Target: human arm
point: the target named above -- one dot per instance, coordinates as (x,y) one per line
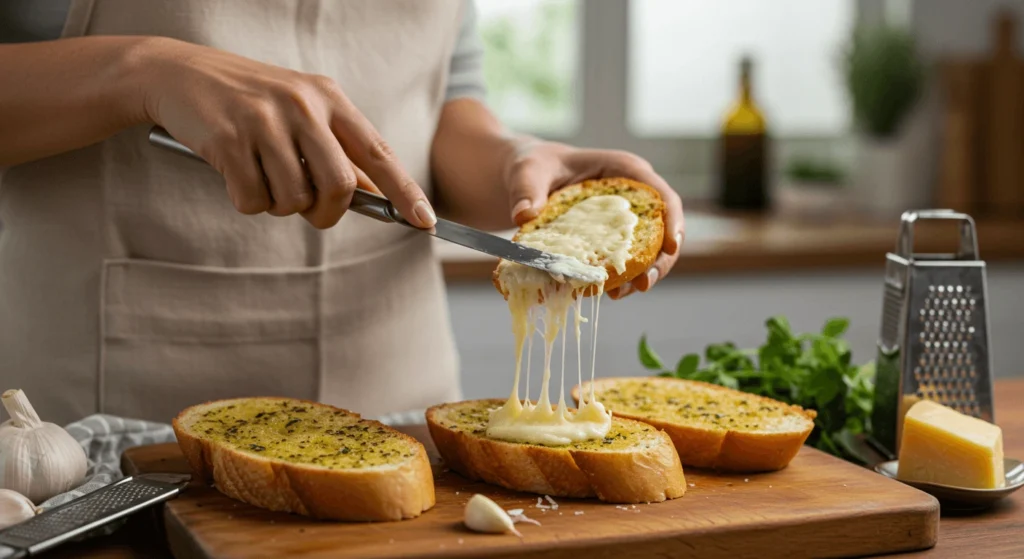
(254,123)
(490,178)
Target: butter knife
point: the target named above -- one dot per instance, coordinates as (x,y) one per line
(379,208)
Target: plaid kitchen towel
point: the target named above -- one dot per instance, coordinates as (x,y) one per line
(412,417)
(104,438)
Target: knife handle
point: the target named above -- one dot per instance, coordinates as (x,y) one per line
(363,202)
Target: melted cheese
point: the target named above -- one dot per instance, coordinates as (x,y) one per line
(594,232)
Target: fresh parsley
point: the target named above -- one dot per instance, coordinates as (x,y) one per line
(814,371)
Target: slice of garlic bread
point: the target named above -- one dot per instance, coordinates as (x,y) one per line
(648,234)
(308,458)
(712,426)
(633,463)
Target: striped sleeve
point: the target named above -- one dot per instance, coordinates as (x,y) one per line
(466,76)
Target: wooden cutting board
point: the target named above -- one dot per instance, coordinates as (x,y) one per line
(819,506)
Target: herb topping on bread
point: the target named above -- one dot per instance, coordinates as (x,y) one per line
(712,426)
(313,459)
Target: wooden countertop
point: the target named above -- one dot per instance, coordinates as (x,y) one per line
(995,533)
(728,243)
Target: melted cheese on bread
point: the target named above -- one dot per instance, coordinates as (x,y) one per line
(596,232)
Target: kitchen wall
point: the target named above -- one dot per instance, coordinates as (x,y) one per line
(961,27)
(685,314)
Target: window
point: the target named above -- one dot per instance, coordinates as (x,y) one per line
(655,77)
(531,63)
(684,59)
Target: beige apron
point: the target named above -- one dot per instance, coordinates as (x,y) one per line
(129,285)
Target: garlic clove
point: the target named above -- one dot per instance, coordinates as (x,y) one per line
(15,508)
(37,459)
(484,515)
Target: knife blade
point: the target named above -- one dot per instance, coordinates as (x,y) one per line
(379,208)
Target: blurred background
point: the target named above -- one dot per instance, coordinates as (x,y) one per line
(796,131)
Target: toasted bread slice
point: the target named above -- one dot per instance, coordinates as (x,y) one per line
(634,463)
(711,426)
(303,457)
(648,235)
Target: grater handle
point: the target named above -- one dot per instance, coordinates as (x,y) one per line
(968,232)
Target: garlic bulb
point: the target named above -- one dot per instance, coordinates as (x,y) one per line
(484,515)
(14,508)
(37,459)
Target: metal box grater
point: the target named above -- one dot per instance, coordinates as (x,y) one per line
(934,335)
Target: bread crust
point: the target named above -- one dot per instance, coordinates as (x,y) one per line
(645,249)
(370,494)
(722,449)
(637,476)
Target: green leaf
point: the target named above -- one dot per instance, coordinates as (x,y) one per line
(728,381)
(648,358)
(688,365)
(825,353)
(835,327)
(779,326)
(717,352)
(829,385)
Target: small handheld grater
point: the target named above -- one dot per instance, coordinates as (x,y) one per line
(934,335)
(85,514)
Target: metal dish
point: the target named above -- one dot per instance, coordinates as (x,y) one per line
(963,498)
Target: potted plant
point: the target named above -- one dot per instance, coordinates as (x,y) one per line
(813,188)
(886,81)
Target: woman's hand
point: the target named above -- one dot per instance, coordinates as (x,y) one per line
(256,124)
(538,168)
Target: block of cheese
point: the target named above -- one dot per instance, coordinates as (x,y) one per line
(943,446)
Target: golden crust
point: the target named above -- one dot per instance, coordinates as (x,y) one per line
(646,475)
(365,494)
(647,237)
(721,449)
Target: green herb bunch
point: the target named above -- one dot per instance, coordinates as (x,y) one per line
(814,371)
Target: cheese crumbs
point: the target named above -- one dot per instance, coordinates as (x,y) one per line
(596,232)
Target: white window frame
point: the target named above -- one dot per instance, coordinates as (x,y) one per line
(686,162)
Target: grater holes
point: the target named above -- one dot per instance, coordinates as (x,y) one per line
(82,511)
(944,363)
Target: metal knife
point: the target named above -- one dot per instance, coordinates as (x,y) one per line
(379,208)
